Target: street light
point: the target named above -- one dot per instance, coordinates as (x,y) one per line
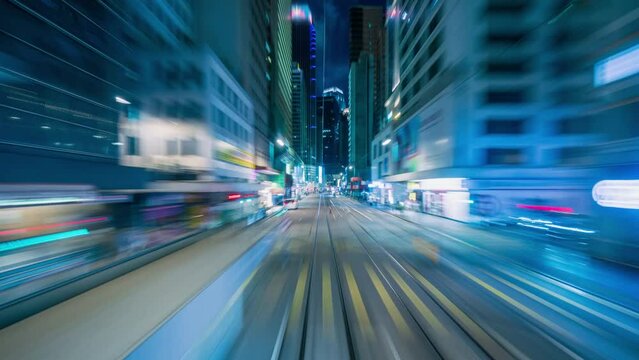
(120,100)
(280,142)
(386,142)
(350,167)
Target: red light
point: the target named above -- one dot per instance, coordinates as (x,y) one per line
(234,196)
(560,209)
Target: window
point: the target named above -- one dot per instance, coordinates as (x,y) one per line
(504,157)
(572,126)
(375,151)
(132,146)
(504,39)
(501,67)
(171,147)
(504,126)
(189,146)
(505,96)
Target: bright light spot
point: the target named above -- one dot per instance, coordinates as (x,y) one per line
(617,193)
(397,116)
(390,115)
(617,67)
(396,102)
(14,117)
(280,142)
(350,167)
(122,100)
(45,127)
(442,141)
(404,15)
(386,142)
(98,136)
(117,143)
(571,229)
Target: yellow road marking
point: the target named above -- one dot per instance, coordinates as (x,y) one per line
(358,304)
(298,297)
(519,306)
(493,348)
(391,308)
(327,300)
(421,307)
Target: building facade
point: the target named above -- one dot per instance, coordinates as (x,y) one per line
(481,95)
(366,43)
(300,114)
(305,54)
(64,95)
(328,110)
(223,27)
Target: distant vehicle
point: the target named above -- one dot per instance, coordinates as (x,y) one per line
(291,204)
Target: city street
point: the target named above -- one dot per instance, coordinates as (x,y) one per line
(347,280)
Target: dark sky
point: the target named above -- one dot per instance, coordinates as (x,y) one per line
(337,34)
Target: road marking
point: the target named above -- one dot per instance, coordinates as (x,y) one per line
(298,297)
(509,300)
(421,307)
(361,213)
(391,308)
(573,303)
(364,322)
(485,341)
(327,300)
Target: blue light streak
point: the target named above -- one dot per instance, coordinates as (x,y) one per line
(18,244)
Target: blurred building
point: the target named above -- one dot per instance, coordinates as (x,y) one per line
(62,95)
(305,54)
(246,49)
(365,83)
(196,120)
(300,115)
(329,112)
(489,97)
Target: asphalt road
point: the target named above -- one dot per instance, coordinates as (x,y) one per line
(350,281)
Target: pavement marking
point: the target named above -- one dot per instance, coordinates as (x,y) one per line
(514,303)
(327,300)
(361,213)
(573,303)
(546,303)
(361,314)
(421,307)
(391,308)
(298,297)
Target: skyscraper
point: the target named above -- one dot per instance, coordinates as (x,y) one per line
(305,54)
(300,115)
(280,104)
(328,110)
(365,83)
(214,22)
(338,94)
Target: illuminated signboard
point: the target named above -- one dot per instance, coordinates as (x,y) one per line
(301,12)
(617,67)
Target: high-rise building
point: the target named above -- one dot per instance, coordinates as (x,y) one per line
(338,94)
(300,115)
(328,110)
(305,54)
(365,84)
(64,95)
(245,48)
(280,79)
(514,99)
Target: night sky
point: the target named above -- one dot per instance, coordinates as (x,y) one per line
(337,32)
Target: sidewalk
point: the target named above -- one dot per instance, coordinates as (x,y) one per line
(109,320)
